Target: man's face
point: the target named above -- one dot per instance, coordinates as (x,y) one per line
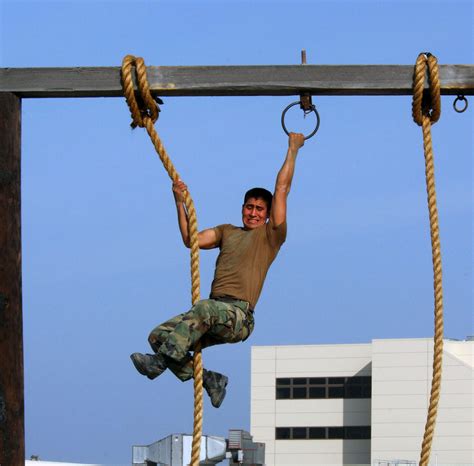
(254,213)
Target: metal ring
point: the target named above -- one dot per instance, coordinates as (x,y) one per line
(312,110)
(460,98)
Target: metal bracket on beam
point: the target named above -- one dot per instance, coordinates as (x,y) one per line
(306,101)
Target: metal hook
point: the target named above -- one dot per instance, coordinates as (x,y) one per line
(460,98)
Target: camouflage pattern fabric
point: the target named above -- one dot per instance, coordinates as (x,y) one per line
(210,321)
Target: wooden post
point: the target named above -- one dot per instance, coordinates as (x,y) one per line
(12,431)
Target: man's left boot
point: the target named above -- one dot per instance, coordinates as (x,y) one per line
(215,384)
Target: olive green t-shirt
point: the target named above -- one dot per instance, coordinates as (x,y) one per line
(244,259)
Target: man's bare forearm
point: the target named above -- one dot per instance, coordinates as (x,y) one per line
(183,222)
(287,171)
(285,175)
(284,179)
(179,189)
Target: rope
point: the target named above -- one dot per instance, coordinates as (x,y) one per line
(144,111)
(427,110)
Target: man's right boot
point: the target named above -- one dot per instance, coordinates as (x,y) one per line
(215,384)
(151,365)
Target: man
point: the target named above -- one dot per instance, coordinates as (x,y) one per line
(246,254)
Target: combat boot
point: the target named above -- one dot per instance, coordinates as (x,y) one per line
(151,365)
(215,384)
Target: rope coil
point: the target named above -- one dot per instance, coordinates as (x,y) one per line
(426,103)
(144,111)
(426,109)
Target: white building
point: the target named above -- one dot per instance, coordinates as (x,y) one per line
(361,403)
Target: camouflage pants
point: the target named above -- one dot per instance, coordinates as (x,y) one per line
(209,321)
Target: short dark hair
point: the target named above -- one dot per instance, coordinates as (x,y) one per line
(260,193)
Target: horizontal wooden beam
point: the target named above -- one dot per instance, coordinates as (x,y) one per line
(233,80)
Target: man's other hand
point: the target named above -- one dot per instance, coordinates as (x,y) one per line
(179,187)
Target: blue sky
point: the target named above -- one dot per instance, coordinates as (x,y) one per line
(102,258)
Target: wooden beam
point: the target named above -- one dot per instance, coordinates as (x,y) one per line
(12,432)
(233,80)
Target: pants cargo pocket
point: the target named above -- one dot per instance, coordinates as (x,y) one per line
(248,327)
(244,325)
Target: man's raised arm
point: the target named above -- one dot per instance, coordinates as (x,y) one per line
(284,179)
(207,238)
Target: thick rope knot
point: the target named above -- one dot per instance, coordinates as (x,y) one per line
(144,112)
(142,105)
(426,102)
(427,110)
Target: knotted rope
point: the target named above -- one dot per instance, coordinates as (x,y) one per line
(144,111)
(426,110)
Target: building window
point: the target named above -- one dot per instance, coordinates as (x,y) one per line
(323,433)
(316,432)
(357,432)
(298,388)
(335,432)
(283,433)
(299,432)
